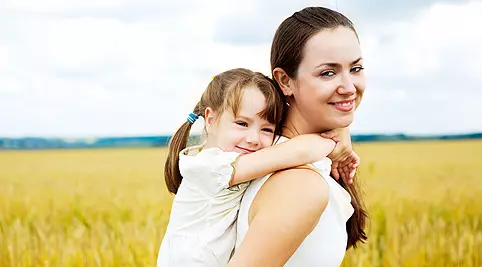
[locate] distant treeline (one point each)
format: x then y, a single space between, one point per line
160 141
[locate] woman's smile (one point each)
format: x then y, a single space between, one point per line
344 105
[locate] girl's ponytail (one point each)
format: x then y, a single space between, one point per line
178 142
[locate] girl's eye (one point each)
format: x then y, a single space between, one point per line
269 130
242 123
357 69
328 73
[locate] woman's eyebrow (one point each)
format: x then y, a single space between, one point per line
356 61
334 65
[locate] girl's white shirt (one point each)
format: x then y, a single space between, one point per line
202 229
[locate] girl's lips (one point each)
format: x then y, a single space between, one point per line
344 106
245 150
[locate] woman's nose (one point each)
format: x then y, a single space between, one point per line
347 86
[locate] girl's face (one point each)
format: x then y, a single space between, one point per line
330 81
245 133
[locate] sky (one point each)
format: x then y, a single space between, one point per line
87 68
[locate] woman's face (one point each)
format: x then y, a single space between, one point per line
330 80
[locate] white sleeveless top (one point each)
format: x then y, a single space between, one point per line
326 244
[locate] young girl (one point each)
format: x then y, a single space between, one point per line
242 111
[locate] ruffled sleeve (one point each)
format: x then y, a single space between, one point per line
210 169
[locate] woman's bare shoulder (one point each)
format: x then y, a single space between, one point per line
286 209
291 189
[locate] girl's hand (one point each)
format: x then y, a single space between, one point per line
346 169
345 160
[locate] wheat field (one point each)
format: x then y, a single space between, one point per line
109 207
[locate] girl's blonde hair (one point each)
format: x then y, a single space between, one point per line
223 93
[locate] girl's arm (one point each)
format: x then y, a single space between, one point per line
283 214
300 150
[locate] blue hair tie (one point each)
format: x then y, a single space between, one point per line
191 118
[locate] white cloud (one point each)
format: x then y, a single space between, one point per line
435 61
109 67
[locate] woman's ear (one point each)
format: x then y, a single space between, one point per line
209 118
283 80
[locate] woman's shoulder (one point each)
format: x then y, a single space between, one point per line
300 179
291 189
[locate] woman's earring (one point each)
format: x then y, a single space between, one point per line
288 104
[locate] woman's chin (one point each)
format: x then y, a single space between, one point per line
343 122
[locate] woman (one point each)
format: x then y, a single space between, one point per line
301 216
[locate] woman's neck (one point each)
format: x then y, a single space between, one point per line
295 124
289 129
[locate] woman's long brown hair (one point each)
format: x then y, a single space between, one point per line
286 53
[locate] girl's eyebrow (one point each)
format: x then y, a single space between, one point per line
244 118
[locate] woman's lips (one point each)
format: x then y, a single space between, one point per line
345 106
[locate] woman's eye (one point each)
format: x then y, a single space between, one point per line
242 123
328 73
357 69
269 130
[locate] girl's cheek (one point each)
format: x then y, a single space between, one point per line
267 141
238 136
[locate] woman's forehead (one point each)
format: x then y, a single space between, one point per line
339 45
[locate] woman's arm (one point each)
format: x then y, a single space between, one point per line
297 151
283 213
